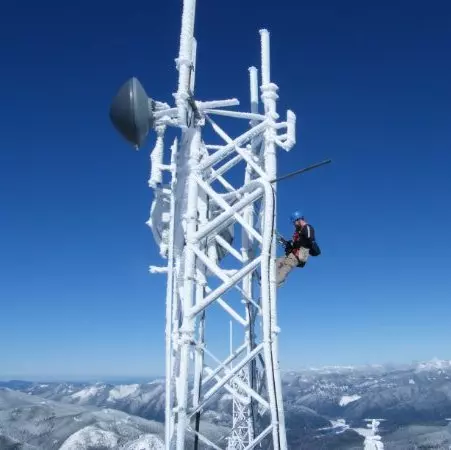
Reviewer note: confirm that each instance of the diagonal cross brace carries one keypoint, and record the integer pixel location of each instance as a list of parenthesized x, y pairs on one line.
[(236, 380), (208, 395), (224, 287)]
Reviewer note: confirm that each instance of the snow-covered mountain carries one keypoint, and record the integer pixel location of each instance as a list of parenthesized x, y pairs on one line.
[(144, 400), (323, 405), (147, 401), (31, 422), (37, 423), (403, 395)]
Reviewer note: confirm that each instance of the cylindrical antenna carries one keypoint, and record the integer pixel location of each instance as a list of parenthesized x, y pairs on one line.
[(193, 67), (266, 64), (253, 78)]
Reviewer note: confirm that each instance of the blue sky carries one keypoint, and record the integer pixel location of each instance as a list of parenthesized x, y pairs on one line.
[(370, 84)]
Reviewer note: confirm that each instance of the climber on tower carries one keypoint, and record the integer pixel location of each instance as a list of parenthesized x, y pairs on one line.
[(298, 249)]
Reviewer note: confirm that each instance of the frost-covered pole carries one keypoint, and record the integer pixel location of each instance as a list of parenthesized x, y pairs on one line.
[(269, 97), (170, 307), (248, 244), (200, 294), (190, 146), (373, 441), (185, 60)]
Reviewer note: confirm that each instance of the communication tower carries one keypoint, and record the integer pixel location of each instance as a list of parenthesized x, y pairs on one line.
[(213, 217)]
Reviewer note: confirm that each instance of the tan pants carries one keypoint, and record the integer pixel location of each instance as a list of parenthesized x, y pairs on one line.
[(285, 264)]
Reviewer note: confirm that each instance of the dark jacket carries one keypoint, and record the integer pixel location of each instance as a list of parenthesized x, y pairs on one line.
[(303, 237)]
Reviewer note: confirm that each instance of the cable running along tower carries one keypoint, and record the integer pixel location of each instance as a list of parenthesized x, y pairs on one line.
[(213, 217)]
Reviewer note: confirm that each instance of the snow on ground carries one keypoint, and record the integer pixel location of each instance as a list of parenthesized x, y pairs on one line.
[(122, 391), (87, 392), (146, 442), (346, 399), (339, 426), (339, 423), (88, 437), (411, 381)]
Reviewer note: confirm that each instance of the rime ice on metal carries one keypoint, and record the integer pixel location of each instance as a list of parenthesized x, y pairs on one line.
[(214, 223), (372, 440)]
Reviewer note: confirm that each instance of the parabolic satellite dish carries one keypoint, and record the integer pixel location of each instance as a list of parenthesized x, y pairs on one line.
[(130, 112)]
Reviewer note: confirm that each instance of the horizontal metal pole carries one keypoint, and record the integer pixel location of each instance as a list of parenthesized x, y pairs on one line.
[(165, 112), (235, 114), (298, 172), (156, 269), (217, 103)]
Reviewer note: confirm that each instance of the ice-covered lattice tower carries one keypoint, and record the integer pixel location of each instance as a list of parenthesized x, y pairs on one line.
[(213, 217)]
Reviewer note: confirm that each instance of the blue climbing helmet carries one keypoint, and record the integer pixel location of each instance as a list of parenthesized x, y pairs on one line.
[(296, 216)]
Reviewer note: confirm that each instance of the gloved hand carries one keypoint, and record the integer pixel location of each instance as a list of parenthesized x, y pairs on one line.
[(288, 247)]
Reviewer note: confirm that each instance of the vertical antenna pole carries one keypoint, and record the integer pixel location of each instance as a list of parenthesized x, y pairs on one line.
[(266, 68), (185, 59), (269, 98), (190, 145), (200, 293), (170, 298), (248, 242)]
